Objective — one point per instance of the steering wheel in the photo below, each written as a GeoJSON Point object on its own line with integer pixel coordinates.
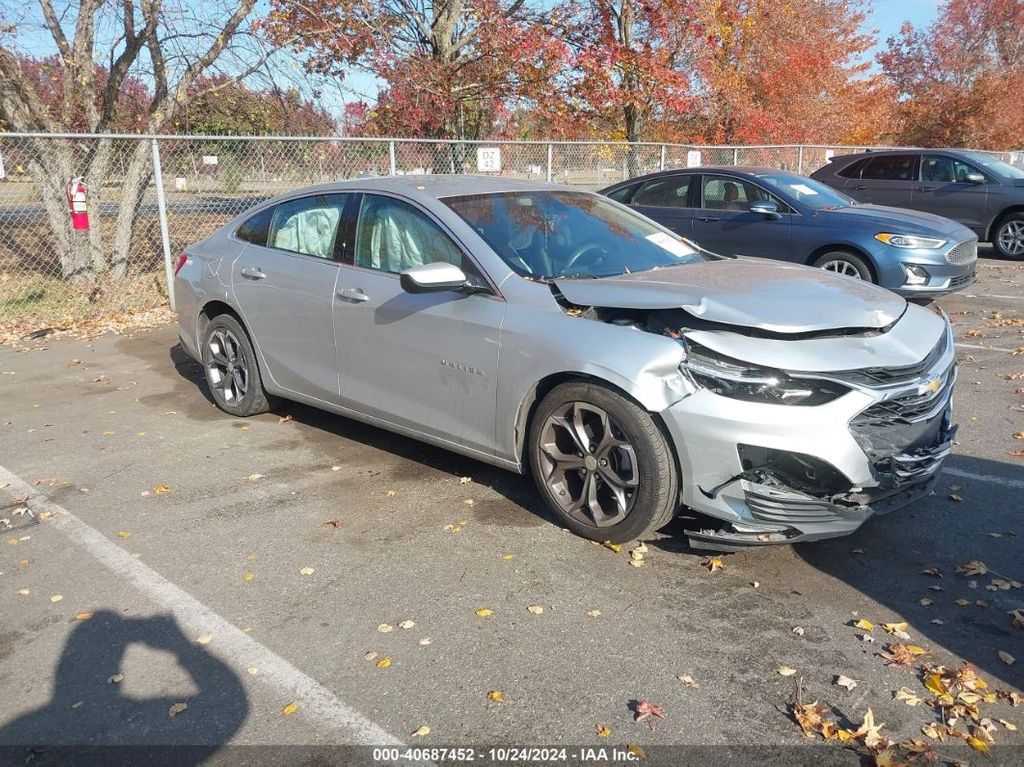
{"type": "Point", "coordinates": [578, 253]}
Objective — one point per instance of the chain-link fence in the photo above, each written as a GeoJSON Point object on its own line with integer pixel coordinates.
{"type": "Point", "coordinates": [149, 197]}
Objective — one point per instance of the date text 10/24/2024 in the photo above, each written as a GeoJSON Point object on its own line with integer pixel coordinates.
{"type": "Point", "coordinates": [509, 754]}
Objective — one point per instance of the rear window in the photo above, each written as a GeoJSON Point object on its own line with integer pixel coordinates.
{"type": "Point", "coordinates": [891, 167]}
{"type": "Point", "coordinates": [255, 228]}
{"type": "Point", "coordinates": [623, 195]}
{"type": "Point", "coordinates": [853, 169]}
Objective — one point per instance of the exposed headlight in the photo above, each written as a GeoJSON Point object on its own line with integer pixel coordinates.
{"type": "Point", "coordinates": [739, 380]}
{"type": "Point", "coordinates": [909, 241]}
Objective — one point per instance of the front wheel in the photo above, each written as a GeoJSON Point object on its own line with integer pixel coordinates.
{"type": "Point", "coordinates": [601, 463]}
{"type": "Point", "coordinates": [841, 262]}
{"type": "Point", "coordinates": [1009, 239]}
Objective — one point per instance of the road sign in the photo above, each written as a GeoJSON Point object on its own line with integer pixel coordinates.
{"type": "Point", "coordinates": [488, 160]}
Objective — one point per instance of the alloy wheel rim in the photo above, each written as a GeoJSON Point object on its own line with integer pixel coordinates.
{"type": "Point", "coordinates": [1011, 238]}
{"type": "Point", "coordinates": [589, 465]}
{"type": "Point", "coordinates": [227, 366]}
{"type": "Point", "coordinates": [841, 267]}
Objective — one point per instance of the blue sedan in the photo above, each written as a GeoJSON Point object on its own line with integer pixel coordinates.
{"type": "Point", "coordinates": [788, 217]}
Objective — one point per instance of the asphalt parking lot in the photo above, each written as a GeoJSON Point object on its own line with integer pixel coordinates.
{"type": "Point", "coordinates": [262, 571]}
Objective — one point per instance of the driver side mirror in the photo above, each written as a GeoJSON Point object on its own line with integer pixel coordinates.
{"type": "Point", "coordinates": [974, 178]}
{"type": "Point", "coordinates": [432, 278]}
{"type": "Point", "coordinates": [766, 208]}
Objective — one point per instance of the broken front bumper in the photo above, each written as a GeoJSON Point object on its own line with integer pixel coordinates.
{"type": "Point", "coordinates": [770, 474]}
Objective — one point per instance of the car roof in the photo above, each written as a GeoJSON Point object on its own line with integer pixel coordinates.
{"type": "Point", "coordinates": [885, 152]}
{"type": "Point", "coordinates": [436, 186]}
{"type": "Point", "coordinates": [738, 170]}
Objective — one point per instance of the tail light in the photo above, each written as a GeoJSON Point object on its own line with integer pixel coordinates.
{"type": "Point", "coordinates": [182, 258]}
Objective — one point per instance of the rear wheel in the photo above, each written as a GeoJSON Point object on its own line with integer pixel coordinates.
{"type": "Point", "coordinates": [843, 262]}
{"type": "Point", "coordinates": [601, 463]}
{"type": "Point", "coordinates": [231, 370]}
{"type": "Point", "coordinates": [1009, 239]}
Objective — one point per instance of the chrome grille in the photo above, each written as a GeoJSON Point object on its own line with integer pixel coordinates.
{"type": "Point", "coordinates": [905, 410]}
{"type": "Point", "coordinates": [892, 376]}
{"type": "Point", "coordinates": [963, 253]}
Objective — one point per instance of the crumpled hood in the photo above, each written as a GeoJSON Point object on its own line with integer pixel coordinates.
{"type": "Point", "coordinates": [898, 221]}
{"type": "Point", "coordinates": [747, 292]}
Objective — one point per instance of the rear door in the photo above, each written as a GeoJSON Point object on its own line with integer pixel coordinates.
{"type": "Point", "coordinates": [885, 179]}
{"type": "Point", "coordinates": [285, 290]}
{"type": "Point", "coordinates": [725, 225]}
{"type": "Point", "coordinates": [669, 201]}
{"type": "Point", "coordinates": [429, 361]}
{"type": "Point", "coordinates": [945, 191]}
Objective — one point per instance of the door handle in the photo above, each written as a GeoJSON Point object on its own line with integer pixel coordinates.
{"type": "Point", "coordinates": [926, 189]}
{"type": "Point", "coordinates": [859, 188]}
{"type": "Point", "coordinates": [253, 272]}
{"type": "Point", "coordinates": [709, 220]}
{"type": "Point", "coordinates": [353, 294]}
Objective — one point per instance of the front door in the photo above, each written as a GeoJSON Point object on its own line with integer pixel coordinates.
{"type": "Point", "coordinates": [725, 225]}
{"type": "Point", "coordinates": [285, 290]}
{"type": "Point", "coordinates": [666, 199]}
{"type": "Point", "coordinates": [945, 191]}
{"type": "Point", "coordinates": [428, 361]}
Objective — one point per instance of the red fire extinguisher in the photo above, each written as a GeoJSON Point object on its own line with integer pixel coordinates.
{"type": "Point", "coordinates": [77, 204]}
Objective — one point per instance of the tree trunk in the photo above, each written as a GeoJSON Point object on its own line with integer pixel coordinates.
{"type": "Point", "coordinates": [136, 179]}
{"type": "Point", "coordinates": [634, 123]}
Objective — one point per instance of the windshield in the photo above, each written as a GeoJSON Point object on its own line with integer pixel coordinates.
{"type": "Point", "coordinates": [807, 191]}
{"type": "Point", "coordinates": [992, 165]}
{"type": "Point", "coordinates": [547, 235]}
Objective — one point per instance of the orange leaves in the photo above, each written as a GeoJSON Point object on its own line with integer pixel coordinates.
{"type": "Point", "coordinates": [900, 655]}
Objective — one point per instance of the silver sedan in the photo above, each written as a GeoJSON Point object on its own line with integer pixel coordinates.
{"type": "Point", "coordinates": [550, 330]}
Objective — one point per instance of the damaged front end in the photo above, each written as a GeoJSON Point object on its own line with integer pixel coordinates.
{"type": "Point", "coordinates": [798, 436]}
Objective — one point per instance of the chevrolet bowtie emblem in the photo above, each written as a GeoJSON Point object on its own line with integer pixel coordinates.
{"type": "Point", "coordinates": [930, 387]}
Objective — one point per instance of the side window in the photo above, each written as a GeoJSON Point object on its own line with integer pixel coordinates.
{"type": "Point", "coordinates": [728, 193]}
{"type": "Point", "coordinates": [623, 195]}
{"type": "Point", "coordinates": [944, 170]}
{"type": "Point", "coordinates": [853, 169]}
{"type": "Point", "coordinates": [671, 192]}
{"type": "Point", "coordinates": [308, 225]}
{"type": "Point", "coordinates": [254, 229]}
{"type": "Point", "coordinates": [393, 236]}
{"type": "Point", "coordinates": [890, 167]}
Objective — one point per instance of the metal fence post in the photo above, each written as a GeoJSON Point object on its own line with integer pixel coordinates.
{"type": "Point", "coordinates": [165, 237]}
{"type": "Point", "coordinates": [551, 166]}
{"type": "Point", "coordinates": [736, 156]}
{"type": "Point", "coordinates": [663, 148]}
{"type": "Point", "coordinates": [391, 158]}
{"type": "Point", "coordinates": [800, 160]}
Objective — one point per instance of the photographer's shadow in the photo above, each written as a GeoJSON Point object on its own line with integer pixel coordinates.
{"type": "Point", "coordinates": [89, 710]}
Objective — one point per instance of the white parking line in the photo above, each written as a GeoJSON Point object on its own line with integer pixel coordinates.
{"type": "Point", "coordinates": [991, 478]}
{"type": "Point", "coordinates": [985, 348]}
{"type": "Point", "coordinates": [229, 642]}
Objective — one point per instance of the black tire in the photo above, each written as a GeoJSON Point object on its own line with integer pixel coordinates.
{"type": "Point", "coordinates": [247, 398]}
{"type": "Point", "coordinates": [653, 501]}
{"type": "Point", "coordinates": [851, 262]}
{"type": "Point", "coordinates": [1009, 245]}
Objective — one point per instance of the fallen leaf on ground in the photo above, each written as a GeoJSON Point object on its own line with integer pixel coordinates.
{"type": "Point", "coordinates": [535, 609]}
{"type": "Point", "coordinates": [115, 679]}
{"type": "Point", "coordinates": [124, 534]}
{"type": "Point", "coordinates": [425, 641]}
{"type": "Point", "coordinates": [1006, 658]}
{"type": "Point", "coordinates": [160, 489]}
{"type": "Point", "coordinates": [1008, 725]}
{"type": "Point", "coordinates": [306, 571]}
{"type": "Point", "coordinates": [384, 663]}
{"type": "Point", "coordinates": [713, 564]}
{"type": "Point", "coordinates": [385, 628]}
{"type": "Point", "coordinates": [406, 625]}
{"type": "Point", "coordinates": [507, 557]}
{"type": "Point", "coordinates": [247, 577]}
{"type": "Point", "coordinates": [1017, 619]}
{"type": "Point", "coordinates": [864, 625]}
{"type": "Point", "coordinates": [961, 602]}
{"type": "Point", "coordinates": [798, 630]}
{"type": "Point", "coordinates": [845, 681]}
{"type": "Point", "coordinates": [899, 655]}
{"type": "Point", "coordinates": [785, 671]}
{"type": "Point", "coordinates": [254, 477]}
{"type": "Point", "coordinates": [926, 601]}
{"type": "Point", "coordinates": [335, 522]}
{"type": "Point", "coordinates": [870, 732]}
{"type": "Point", "coordinates": [934, 571]}
{"type": "Point", "coordinates": [290, 708]}
{"type": "Point", "coordinates": [593, 613]}
{"type": "Point", "coordinates": [973, 567]}
{"type": "Point", "coordinates": [284, 418]}
{"type": "Point", "coordinates": [688, 681]}
{"type": "Point", "coordinates": [24, 592]}
{"type": "Point", "coordinates": [420, 731]}
{"type": "Point", "coordinates": [616, 547]}
{"type": "Point", "coordinates": [370, 656]}
{"type": "Point", "coordinates": [484, 612]}
{"type": "Point", "coordinates": [603, 731]}
{"type": "Point", "coordinates": [253, 670]}
{"type": "Point", "coordinates": [496, 696]}
{"type": "Point", "coordinates": [176, 709]}
{"type": "Point", "coordinates": [649, 711]}
{"type": "Point", "coordinates": [56, 597]}
{"type": "Point", "coordinates": [390, 494]}
{"type": "Point", "coordinates": [204, 639]}
{"type": "Point", "coordinates": [84, 616]}
{"type": "Point", "coordinates": [465, 480]}
{"type": "Point", "coordinates": [908, 696]}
